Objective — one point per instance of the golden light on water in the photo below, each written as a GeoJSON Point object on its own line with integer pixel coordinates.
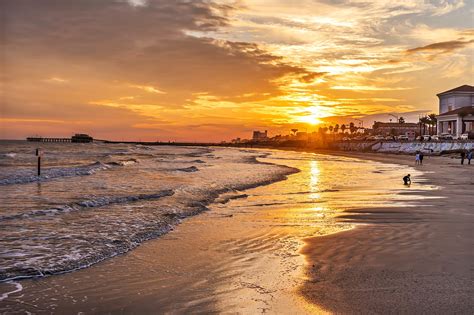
{"type": "Point", "coordinates": [315, 173]}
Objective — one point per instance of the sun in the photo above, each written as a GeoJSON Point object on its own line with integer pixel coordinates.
{"type": "Point", "coordinates": [311, 119]}
{"type": "Point", "coordinates": [310, 115]}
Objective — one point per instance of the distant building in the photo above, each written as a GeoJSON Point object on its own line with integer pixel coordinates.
{"type": "Point", "coordinates": [259, 136]}
{"type": "Point", "coordinates": [301, 135]}
{"type": "Point", "coordinates": [456, 111]}
{"type": "Point", "coordinates": [394, 129]}
{"type": "Point", "coordinates": [81, 138]}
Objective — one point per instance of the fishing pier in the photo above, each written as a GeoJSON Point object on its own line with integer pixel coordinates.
{"type": "Point", "coordinates": [41, 139]}
{"type": "Point", "coordinates": [77, 138]}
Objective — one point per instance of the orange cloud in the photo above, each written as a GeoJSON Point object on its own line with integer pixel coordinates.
{"type": "Point", "coordinates": [216, 69]}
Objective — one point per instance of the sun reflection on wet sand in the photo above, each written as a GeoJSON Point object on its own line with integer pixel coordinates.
{"type": "Point", "coordinates": [307, 204]}
{"type": "Point", "coordinates": [314, 179]}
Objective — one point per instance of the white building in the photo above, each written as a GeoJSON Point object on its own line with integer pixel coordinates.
{"type": "Point", "coordinates": [260, 136]}
{"type": "Point", "coordinates": [456, 111]}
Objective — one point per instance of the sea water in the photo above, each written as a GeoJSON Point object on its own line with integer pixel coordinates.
{"type": "Point", "coordinates": [94, 201]}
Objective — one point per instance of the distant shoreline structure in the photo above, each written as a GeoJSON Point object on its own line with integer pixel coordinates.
{"type": "Point", "coordinates": [77, 138]}
{"type": "Point", "coordinates": [374, 146]}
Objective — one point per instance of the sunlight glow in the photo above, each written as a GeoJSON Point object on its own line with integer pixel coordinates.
{"type": "Point", "coordinates": [311, 119]}
{"type": "Point", "coordinates": [189, 68]}
{"type": "Point", "coordinates": [311, 115]}
{"type": "Point", "coordinates": [314, 179]}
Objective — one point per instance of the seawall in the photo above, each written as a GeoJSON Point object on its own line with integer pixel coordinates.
{"type": "Point", "coordinates": [406, 147]}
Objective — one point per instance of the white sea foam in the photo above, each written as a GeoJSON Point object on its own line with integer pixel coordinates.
{"type": "Point", "coordinates": [52, 173]}
{"type": "Point", "coordinates": [63, 225]}
{"type": "Point", "coordinates": [18, 288]}
{"type": "Point", "coordinates": [90, 203]}
{"type": "Point", "coordinates": [10, 155]}
{"type": "Point", "coordinates": [123, 162]}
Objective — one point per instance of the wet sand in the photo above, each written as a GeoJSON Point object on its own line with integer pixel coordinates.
{"type": "Point", "coordinates": [238, 257]}
{"type": "Point", "coordinates": [258, 254]}
{"type": "Point", "coordinates": [401, 260]}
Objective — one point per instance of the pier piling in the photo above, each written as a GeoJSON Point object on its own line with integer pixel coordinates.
{"type": "Point", "coordinates": [39, 153]}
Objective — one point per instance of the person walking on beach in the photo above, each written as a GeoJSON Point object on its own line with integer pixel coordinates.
{"type": "Point", "coordinates": [421, 157]}
{"type": "Point", "coordinates": [463, 156]}
{"type": "Point", "coordinates": [469, 157]}
{"type": "Point", "coordinates": [417, 158]}
{"type": "Point", "coordinates": [406, 180]}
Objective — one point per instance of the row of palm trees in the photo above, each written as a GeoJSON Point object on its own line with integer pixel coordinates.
{"type": "Point", "coordinates": [336, 128]}
{"type": "Point", "coordinates": [428, 124]}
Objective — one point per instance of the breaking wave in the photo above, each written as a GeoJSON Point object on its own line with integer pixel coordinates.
{"type": "Point", "coordinates": [90, 203]}
{"type": "Point", "coordinates": [123, 162]}
{"type": "Point", "coordinates": [60, 228]}
{"type": "Point", "coordinates": [52, 173]}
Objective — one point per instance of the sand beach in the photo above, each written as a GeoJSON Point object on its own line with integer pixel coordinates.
{"type": "Point", "coordinates": [343, 235]}
{"type": "Point", "coordinates": [401, 260]}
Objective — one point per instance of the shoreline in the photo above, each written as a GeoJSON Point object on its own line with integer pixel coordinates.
{"type": "Point", "coordinates": [108, 272]}
{"type": "Point", "coordinates": [202, 205]}
{"type": "Point", "coordinates": [396, 259]}
{"type": "Point", "coordinates": [322, 263]}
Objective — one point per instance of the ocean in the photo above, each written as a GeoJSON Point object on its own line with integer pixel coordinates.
{"type": "Point", "coordinates": [96, 201]}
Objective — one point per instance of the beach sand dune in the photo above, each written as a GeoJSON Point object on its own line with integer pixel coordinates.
{"type": "Point", "coordinates": [401, 260]}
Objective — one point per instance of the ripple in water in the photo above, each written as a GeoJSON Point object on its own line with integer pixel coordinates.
{"type": "Point", "coordinates": [94, 202]}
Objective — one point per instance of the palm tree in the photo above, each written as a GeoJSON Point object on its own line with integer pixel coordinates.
{"type": "Point", "coordinates": [424, 121]}
{"type": "Point", "coordinates": [433, 121]}
{"type": "Point", "coordinates": [401, 120]}
{"type": "Point", "coordinates": [331, 129]}
{"type": "Point", "coordinates": [352, 128]}
{"type": "Point", "coordinates": [343, 128]}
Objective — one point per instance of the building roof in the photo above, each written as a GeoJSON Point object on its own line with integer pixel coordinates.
{"type": "Point", "coordinates": [466, 110]}
{"type": "Point", "coordinates": [462, 88]}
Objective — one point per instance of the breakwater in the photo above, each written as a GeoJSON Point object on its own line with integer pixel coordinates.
{"type": "Point", "coordinates": [409, 147]}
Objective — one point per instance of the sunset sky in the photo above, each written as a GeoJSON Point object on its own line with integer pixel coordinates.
{"type": "Point", "coordinates": [211, 71]}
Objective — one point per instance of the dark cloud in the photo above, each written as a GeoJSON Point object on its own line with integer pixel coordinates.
{"type": "Point", "coordinates": [98, 49]}
{"type": "Point", "coordinates": [394, 61]}
{"type": "Point", "coordinates": [441, 46]}
{"type": "Point", "coordinates": [311, 76]}
{"type": "Point", "coordinates": [346, 3]}
{"type": "Point", "coordinates": [113, 40]}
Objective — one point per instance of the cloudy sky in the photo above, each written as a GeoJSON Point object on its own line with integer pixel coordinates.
{"type": "Point", "coordinates": [214, 70]}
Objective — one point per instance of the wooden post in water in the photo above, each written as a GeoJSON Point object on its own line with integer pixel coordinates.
{"type": "Point", "coordinates": [39, 154]}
